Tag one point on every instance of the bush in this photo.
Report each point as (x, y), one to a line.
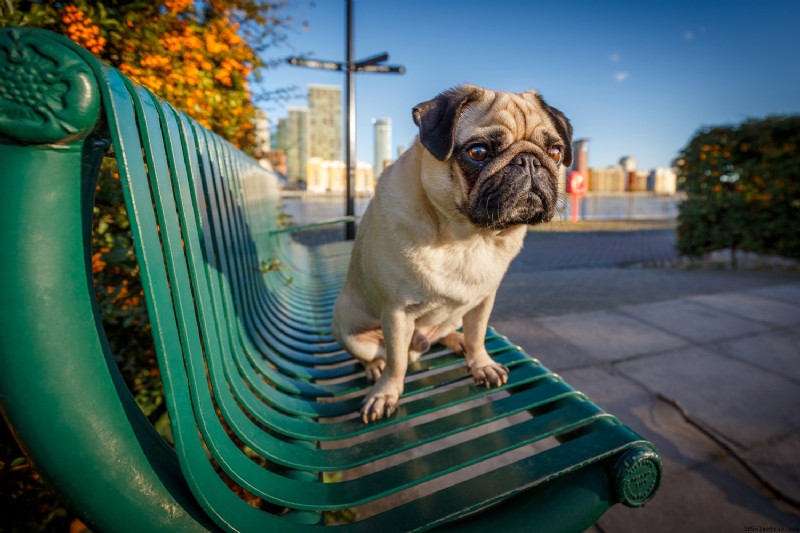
(742, 187)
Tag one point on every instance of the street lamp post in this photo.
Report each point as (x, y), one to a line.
(350, 67)
(350, 129)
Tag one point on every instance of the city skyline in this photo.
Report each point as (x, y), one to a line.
(314, 131)
(319, 168)
(637, 79)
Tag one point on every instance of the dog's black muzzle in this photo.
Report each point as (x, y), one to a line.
(523, 192)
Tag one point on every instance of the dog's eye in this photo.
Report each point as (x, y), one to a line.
(555, 154)
(478, 152)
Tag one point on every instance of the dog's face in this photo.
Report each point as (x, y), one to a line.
(501, 152)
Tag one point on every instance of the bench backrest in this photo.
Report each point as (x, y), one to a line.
(56, 387)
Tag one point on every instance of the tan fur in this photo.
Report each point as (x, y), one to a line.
(420, 269)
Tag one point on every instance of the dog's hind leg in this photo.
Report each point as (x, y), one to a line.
(454, 341)
(419, 345)
(359, 334)
(366, 346)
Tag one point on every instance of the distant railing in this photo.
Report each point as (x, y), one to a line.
(625, 206)
(305, 207)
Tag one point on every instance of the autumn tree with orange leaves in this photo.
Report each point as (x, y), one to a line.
(203, 57)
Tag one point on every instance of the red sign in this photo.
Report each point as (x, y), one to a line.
(576, 186)
(577, 183)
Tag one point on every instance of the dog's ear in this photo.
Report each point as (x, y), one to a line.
(563, 127)
(437, 119)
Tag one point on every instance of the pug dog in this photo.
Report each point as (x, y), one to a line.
(437, 238)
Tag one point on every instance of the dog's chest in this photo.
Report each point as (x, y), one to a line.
(456, 277)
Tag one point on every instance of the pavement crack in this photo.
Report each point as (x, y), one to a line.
(599, 528)
(730, 450)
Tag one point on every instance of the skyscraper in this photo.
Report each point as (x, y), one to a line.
(281, 139)
(382, 128)
(325, 121)
(262, 134)
(296, 144)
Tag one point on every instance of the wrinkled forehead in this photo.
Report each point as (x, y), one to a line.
(509, 116)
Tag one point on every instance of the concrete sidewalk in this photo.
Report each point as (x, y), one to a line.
(655, 346)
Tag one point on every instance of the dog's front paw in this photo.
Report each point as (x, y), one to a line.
(381, 401)
(490, 375)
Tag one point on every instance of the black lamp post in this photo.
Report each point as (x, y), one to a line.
(350, 67)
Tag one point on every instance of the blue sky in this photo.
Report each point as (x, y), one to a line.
(637, 78)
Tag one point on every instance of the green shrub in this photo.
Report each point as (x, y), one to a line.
(742, 187)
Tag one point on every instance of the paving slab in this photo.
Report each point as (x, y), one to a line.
(542, 293)
(718, 496)
(789, 293)
(776, 351)
(724, 343)
(692, 320)
(744, 404)
(680, 444)
(778, 462)
(556, 353)
(754, 307)
(611, 336)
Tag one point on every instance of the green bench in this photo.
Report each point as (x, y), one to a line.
(261, 400)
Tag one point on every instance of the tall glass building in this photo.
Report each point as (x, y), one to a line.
(382, 128)
(325, 121)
